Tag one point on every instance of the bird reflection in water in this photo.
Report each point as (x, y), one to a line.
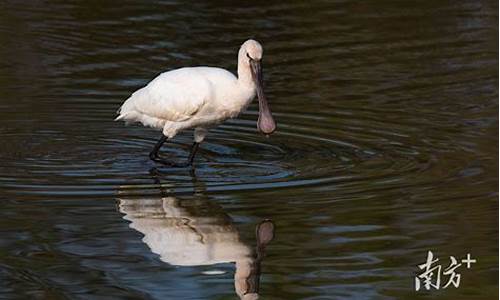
(198, 232)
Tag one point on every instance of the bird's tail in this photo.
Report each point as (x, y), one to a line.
(125, 110)
(122, 114)
(120, 117)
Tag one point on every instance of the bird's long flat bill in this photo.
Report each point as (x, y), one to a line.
(265, 123)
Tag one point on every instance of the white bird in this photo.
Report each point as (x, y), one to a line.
(199, 98)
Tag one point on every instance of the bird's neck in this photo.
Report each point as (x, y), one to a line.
(244, 72)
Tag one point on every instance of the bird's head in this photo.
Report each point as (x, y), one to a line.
(253, 57)
(253, 49)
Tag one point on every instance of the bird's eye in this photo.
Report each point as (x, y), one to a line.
(249, 57)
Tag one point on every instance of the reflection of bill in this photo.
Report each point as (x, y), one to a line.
(198, 232)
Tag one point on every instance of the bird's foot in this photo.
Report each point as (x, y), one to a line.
(167, 163)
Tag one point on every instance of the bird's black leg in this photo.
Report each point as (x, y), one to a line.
(192, 153)
(154, 154)
(190, 160)
(155, 157)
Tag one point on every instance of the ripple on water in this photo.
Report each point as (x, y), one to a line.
(385, 114)
(233, 156)
(359, 127)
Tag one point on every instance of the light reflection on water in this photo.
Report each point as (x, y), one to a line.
(197, 232)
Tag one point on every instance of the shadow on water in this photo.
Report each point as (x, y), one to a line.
(196, 232)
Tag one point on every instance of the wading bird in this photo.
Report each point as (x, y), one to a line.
(199, 98)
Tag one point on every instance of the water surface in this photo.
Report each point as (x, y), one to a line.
(386, 148)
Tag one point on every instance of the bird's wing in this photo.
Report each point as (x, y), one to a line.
(172, 96)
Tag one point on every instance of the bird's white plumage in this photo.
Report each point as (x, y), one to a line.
(172, 96)
(194, 97)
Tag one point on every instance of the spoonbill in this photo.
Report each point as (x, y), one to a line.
(200, 98)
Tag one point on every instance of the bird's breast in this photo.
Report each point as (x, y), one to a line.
(225, 102)
(238, 101)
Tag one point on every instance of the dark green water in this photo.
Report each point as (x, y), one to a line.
(387, 147)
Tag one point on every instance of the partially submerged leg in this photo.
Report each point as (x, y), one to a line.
(154, 154)
(199, 135)
(170, 129)
(192, 153)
